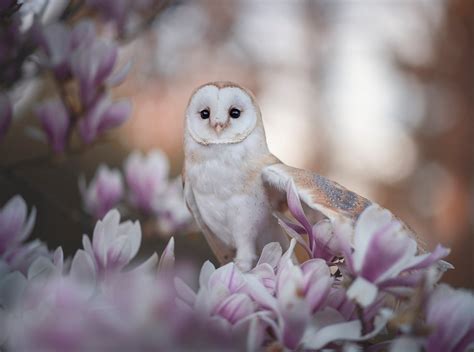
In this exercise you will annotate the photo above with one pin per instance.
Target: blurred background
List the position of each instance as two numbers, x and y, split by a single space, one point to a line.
377 95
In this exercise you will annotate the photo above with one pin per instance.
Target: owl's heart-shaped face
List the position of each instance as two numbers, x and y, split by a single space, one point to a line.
220 115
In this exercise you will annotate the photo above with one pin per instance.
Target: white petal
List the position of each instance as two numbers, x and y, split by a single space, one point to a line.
206 271
148 265
135 238
259 293
362 291
25 232
12 287
42 268
87 245
83 268
318 338
288 255
167 257
271 254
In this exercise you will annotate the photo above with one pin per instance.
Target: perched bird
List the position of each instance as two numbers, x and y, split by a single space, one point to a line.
233 184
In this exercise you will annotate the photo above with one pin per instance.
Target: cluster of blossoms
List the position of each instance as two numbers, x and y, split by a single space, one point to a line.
82 65
150 191
363 285
14 47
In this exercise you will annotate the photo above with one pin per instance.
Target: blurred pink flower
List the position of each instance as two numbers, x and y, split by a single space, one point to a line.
55 123
114 244
77 53
173 214
6 114
221 298
59 44
450 314
321 242
22 256
146 177
301 291
384 255
103 116
92 65
15 226
104 191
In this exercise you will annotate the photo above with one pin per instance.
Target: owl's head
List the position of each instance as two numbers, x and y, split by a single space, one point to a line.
222 113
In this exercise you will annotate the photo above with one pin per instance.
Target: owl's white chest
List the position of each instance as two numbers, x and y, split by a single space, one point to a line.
229 193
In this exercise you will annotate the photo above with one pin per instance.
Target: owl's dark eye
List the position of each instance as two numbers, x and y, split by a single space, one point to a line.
205 114
234 113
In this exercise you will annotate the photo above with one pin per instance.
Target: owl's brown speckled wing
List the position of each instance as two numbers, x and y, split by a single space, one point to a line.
318 192
223 253
323 195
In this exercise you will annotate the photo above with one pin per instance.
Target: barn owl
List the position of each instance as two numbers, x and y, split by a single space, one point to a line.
233 184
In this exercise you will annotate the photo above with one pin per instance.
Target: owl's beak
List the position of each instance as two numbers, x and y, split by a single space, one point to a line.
219 126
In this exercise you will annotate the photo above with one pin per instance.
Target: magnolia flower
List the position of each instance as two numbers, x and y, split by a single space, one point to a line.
221 297
114 244
92 65
59 44
22 256
384 255
300 291
103 193
5 114
450 314
55 40
321 242
173 214
146 177
103 116
55 122
15 226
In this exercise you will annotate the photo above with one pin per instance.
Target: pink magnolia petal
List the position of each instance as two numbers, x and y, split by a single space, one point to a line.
55 122
426 260
167 257
296 210
206 272
116 114
266 274
184 292
13 228
119 76
235 307
83 268
229 276
372 219
294 234
271 254
389 250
